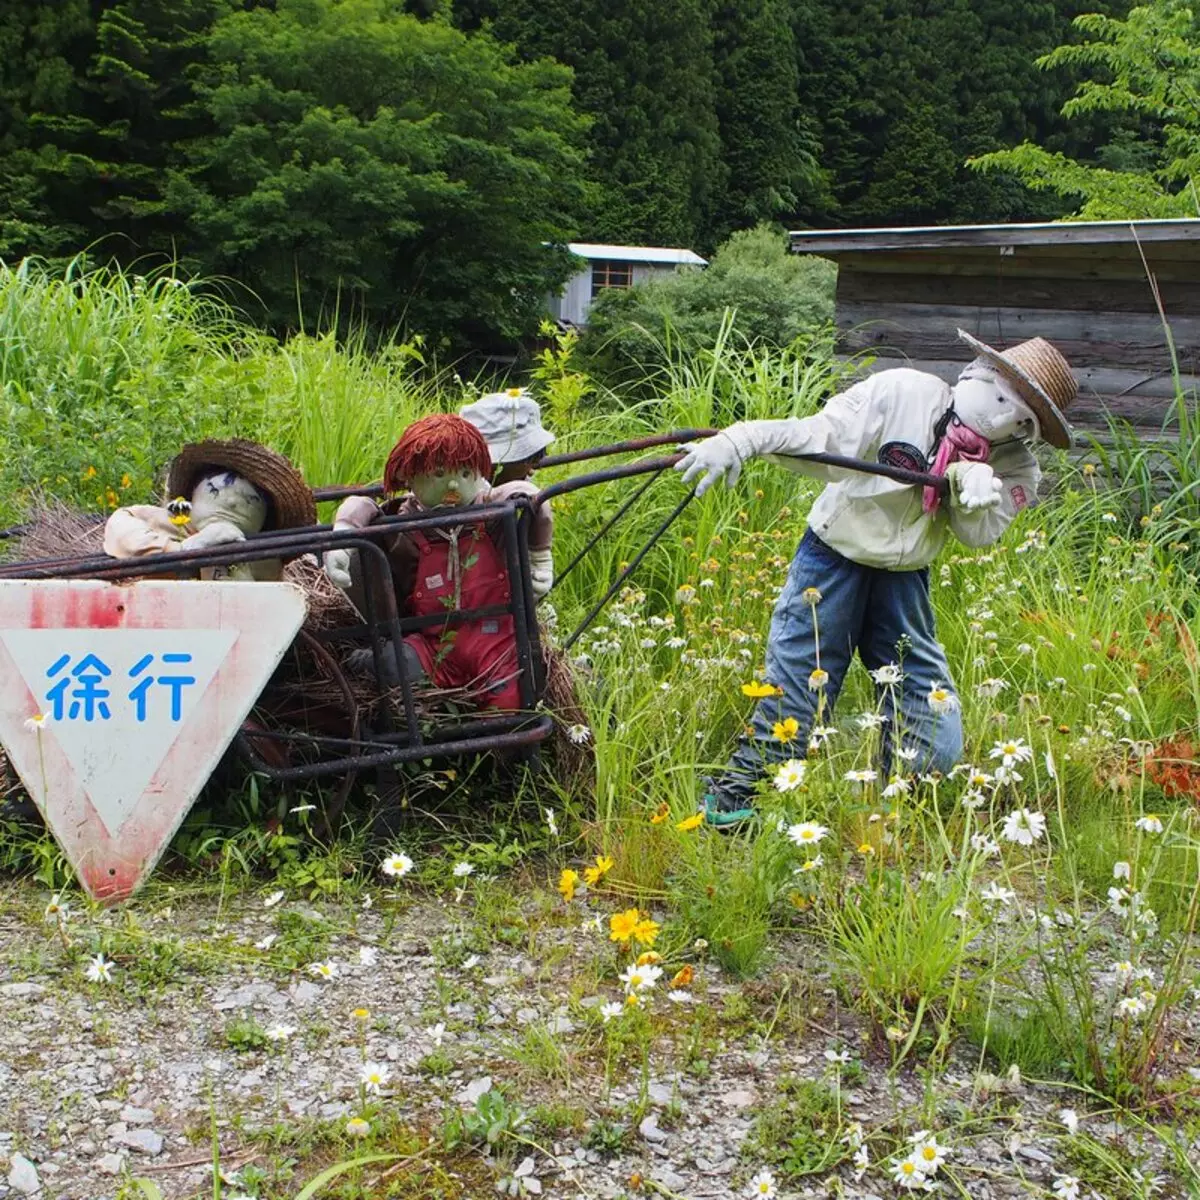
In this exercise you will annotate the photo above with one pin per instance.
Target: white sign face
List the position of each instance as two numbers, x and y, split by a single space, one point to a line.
117 701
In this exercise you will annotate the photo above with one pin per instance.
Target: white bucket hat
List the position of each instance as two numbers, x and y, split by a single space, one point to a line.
511 424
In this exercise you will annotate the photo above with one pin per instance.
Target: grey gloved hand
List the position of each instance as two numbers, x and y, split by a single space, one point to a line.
337 567
713 458
541 571
215 533
973 486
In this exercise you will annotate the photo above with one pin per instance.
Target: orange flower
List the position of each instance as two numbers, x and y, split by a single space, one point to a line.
660 814
683 977
648 956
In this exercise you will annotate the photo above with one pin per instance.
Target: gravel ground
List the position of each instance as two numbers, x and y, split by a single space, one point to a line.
101 1081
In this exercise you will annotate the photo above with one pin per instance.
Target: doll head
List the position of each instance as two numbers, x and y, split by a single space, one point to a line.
442 459
228 496
988 403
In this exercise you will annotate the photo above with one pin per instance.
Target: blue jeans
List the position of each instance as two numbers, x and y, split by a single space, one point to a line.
887 617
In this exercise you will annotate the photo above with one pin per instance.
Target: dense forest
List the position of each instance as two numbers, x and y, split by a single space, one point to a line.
411 162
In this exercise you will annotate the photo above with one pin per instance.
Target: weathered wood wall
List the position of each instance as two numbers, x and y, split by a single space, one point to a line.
1093 298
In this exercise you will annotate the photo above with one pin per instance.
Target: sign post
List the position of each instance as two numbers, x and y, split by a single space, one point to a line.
118 700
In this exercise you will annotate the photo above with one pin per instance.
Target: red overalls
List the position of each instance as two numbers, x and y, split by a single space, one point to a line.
465 569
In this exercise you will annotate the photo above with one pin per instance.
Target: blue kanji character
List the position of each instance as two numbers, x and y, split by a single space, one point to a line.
87 697
175 682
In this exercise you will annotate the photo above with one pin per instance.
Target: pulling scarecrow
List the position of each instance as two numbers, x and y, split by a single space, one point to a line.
442 462
860 578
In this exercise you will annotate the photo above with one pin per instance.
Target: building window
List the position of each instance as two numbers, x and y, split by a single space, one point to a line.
609 274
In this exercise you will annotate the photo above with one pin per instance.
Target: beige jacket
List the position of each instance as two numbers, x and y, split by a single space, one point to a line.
889 417
143 529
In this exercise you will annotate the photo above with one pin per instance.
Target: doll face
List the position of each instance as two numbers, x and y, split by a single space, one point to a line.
226 496
986 402
450 487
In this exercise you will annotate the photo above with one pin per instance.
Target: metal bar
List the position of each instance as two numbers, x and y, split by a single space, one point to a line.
604 529
643 466
541 729
516 596
341 491
899 474
629 570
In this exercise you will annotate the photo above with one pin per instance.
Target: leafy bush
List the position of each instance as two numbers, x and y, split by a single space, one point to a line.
775 297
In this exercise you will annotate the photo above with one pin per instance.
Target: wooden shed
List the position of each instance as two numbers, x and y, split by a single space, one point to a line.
1088 287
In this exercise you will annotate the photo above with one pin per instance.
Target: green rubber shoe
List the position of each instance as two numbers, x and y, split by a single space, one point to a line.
724 812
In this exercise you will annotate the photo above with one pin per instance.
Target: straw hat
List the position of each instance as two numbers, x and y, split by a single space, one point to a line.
291 498
511 424
1041 375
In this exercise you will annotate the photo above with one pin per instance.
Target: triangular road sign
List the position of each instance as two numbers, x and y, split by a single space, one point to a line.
142 687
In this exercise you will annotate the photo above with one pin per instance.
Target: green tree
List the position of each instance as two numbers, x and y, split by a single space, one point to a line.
644 75
1145 73
768 146
774 297
43 56
393 167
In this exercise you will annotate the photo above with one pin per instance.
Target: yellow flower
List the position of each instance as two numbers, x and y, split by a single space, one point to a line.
648 956
866 848
632 1000
786 729
683 977
361 1013
690 823
90 473
568 881
593 875
759 691
660 814
126 480
818 679
646 931
622 926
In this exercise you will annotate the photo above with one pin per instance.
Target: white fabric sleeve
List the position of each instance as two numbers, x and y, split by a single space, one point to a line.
849 424
1018 471
132 532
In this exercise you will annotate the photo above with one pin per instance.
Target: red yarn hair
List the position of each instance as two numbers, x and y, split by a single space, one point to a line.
441 440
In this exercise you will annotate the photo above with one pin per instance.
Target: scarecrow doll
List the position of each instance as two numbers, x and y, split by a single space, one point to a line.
511 424
218 493
860 578
444 463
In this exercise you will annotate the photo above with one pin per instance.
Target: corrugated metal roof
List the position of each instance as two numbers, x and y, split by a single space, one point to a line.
649 254
1056 233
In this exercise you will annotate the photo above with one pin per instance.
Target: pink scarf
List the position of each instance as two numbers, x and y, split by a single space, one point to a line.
959 444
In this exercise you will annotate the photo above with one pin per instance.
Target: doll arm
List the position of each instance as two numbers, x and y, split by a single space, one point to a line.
355 512
138 530
848 424
1017 471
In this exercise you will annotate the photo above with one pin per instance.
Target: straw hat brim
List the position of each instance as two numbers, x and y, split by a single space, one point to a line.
291 498
1052 423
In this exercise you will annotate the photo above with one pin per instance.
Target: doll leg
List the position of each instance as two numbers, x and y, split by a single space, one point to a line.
803 637
901 630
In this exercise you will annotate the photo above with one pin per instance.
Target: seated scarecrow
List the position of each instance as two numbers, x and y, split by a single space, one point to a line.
444 462
511 424
219 492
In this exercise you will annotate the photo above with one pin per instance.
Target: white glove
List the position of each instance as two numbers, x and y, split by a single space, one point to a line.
973 486
337 567
713 458
215 533
541 572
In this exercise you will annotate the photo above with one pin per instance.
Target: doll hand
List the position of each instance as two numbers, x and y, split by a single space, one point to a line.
712 458
973 486
541 572
337 567
215 533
